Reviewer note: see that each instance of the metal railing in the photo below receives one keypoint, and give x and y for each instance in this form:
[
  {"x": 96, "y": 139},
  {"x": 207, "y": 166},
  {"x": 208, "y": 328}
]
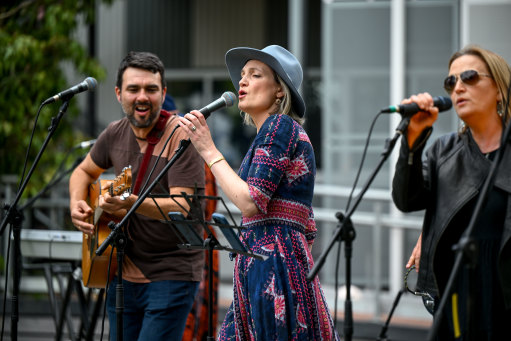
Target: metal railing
[{"x": 371, "y": 225}]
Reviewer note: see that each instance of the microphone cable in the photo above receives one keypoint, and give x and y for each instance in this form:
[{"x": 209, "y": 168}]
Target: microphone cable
[
  {"x": 362, "y": 160},
  {"x": 337, "y": 263},
  {"x": 29, "y": 146}
]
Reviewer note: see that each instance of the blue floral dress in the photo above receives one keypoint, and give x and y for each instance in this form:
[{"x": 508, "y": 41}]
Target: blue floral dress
[{"x": 273, "y": 300}]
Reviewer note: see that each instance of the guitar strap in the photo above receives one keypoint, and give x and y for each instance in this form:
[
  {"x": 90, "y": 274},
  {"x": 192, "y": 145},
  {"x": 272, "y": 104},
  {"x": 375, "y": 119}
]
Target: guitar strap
[{"x": 153, "y": 138}]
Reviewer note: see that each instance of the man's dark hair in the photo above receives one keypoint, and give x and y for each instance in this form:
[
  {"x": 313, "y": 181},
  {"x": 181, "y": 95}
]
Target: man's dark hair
[{"x": 141, "y": 60}]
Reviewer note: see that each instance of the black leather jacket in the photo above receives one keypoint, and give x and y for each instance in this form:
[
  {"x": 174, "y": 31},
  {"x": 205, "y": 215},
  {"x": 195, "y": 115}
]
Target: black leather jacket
[{"x": 452, "y": 174}]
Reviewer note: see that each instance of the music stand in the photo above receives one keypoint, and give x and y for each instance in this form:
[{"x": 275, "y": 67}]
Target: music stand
[{"x": 185, "y": 228}]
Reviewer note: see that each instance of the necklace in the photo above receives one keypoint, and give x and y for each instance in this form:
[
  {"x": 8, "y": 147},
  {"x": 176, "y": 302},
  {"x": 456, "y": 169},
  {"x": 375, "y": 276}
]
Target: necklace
[{"x": 491, "y": 154}]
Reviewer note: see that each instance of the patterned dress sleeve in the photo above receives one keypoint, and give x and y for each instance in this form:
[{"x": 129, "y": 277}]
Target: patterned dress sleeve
[{"x": 273, "y": 147}]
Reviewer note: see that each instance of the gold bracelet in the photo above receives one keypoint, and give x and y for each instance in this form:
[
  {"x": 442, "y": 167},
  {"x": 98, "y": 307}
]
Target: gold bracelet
[{"x": 220, "y": 158}]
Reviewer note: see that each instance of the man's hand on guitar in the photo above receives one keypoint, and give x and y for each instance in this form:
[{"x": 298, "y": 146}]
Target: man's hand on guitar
[
  {"x": 117, "y": 206},
  {"x": 80, "y": 213}
]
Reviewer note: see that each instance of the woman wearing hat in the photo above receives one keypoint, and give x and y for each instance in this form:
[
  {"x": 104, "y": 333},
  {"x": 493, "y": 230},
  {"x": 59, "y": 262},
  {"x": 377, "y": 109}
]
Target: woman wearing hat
[{"x": 273, "y": 189}]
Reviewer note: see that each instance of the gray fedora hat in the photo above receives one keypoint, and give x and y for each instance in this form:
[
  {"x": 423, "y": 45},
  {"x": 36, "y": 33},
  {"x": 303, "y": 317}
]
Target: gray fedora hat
[{"x": 283, "y": 62}]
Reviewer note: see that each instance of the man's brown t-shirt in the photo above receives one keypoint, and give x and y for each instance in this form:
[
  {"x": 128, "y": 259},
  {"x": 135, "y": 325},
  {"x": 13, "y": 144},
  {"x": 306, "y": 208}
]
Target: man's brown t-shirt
[{"x": 153, "y": 245}]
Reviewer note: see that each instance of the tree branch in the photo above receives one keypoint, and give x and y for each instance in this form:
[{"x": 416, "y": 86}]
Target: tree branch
[{"x": 13, "y": 11}]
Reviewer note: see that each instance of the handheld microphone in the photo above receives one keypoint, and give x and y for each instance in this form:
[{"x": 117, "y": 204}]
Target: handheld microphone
[
  {"x": 88, "y": 84},
  {"x": 408, "y": 110},
  {"x": 226, "y": 100}
]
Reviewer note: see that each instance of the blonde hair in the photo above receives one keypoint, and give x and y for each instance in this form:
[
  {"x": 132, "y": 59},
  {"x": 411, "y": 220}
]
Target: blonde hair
[
  {"x": 498, "y": 68},
  {"x": 285, "y": 107}
]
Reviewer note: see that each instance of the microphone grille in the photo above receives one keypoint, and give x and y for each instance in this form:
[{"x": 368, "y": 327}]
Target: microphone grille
[
  {"x": 91, "y": 83},
  {"x": 229, "y": 98},
  {"x": 443, "y": 103}
]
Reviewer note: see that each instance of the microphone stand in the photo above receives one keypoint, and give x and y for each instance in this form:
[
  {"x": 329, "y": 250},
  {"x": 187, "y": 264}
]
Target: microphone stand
[
  {"x": 383, "y": 332},
  {"x": 345, "y": 232},
  {"x": 14, "y": 216},
  {"x": 118, "y": 239}
]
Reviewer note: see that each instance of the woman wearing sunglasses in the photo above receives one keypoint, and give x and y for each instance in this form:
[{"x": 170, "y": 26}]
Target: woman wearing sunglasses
[{"x": 447, "y": 185}]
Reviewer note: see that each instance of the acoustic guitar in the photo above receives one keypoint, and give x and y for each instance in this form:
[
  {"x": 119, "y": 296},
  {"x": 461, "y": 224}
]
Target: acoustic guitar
[{"x": 95, "y": 272}]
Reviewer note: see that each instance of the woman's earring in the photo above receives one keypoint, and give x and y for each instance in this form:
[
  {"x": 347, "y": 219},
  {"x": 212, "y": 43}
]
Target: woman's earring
[
  {"x": 462, "y": 126},
  {"x": 278, "y": 101},
  {"x": 500, "y": 109}
]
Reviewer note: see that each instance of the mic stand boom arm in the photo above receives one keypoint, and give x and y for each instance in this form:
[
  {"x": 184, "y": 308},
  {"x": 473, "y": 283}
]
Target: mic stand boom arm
[{"x": 347, "y": 233}]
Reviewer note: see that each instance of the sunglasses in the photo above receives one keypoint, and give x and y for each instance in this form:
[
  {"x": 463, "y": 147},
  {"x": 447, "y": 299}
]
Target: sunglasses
[{"x": 469, "y": 77}]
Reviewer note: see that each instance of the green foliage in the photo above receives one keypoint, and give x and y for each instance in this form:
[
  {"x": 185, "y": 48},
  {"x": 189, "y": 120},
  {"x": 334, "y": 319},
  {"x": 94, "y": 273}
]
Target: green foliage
[{"x": 37, "y": 40}]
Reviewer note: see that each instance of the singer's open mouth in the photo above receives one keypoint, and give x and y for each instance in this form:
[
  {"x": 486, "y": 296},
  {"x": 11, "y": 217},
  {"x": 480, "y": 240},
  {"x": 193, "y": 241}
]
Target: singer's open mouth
[{"x": 142, "y": 108}]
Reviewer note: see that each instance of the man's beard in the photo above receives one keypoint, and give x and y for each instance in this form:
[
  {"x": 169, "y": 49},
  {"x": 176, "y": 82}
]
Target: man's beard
[{"x": 130, "y": 113}]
